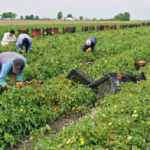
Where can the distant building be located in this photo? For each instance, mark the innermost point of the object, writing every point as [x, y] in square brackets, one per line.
[86, 19]
[71, 19]
[7, 18]
[46, 18]
[63, 18]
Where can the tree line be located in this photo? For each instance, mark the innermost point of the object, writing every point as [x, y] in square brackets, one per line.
[120, 17]
[9, 15]
[60, 15]
[30, 17]
[123, 17]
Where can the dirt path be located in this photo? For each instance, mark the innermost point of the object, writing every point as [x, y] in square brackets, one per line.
[57, 126]
[27, 22]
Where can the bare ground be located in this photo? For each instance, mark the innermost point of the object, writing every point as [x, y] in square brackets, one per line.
[57, 126]
[27, 22]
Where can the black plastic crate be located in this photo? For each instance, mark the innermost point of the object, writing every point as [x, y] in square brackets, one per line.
[107, 85]
[79, 76]
[128, 77]
[140, 77]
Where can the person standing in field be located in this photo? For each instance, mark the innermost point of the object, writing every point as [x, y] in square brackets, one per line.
[11, 65]
[90, 43]
[24, 40]
[8, 38]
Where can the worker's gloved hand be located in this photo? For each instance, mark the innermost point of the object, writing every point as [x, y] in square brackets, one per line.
[22, 51]
[12, 41]
[8, 87]
[87, 50]
[26, 82]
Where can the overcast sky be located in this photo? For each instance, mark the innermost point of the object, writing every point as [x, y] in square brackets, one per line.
[139, 9]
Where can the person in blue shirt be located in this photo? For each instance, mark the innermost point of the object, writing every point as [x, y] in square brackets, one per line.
[11, 65]
[24, 40]
[90, 43]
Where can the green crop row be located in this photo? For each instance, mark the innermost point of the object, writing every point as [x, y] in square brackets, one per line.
[24, 110]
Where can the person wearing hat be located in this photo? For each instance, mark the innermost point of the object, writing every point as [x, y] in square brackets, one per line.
[11, 65]
[24, 40]
[8, 38]
[90, 43]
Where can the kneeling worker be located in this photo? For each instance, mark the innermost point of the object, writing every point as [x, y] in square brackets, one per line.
[8, 38]
[90, 43]
[24, 40]
[11, 65]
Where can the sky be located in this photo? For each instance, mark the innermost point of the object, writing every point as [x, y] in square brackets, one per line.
[105, 9]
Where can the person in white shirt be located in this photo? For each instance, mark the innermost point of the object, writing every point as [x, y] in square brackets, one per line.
[8, 38]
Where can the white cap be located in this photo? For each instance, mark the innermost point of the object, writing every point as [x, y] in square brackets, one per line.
[88, 42]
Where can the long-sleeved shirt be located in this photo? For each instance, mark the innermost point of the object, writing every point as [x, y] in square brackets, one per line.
[7, 37]
[6, 63]
[93, 43]
[20, 43]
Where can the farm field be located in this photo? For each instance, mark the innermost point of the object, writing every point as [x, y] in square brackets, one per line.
[124, 118]
[27, 22]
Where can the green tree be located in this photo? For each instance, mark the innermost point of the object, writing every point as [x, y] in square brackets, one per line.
[37, 17]
[81, 17]
[31, 16]
[94, 19]
[59, 15]
[126, 16]
[123, 17]
[21, 17]
[5, 15]
[14, 15]
[69, 15]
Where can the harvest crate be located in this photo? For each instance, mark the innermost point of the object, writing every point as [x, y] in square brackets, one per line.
[140, 64]
[54, 31]
[121, 26]
[92, 28]
[143, 23]
[140, 77]
[36, 32]
[72, 29]
[85, 28]
[66, 29]
[114, 27]
[100, 28]
[87, 63]
[79, 76]
[139, 25]
[21, 31]
[128, 77]
[106, 85]
[106, 27]
[110, 26]
[45, 33]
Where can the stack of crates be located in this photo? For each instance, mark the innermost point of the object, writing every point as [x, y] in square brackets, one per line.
[143, 23]
[110, 83]
[92, 28]
[105, 27]
[121, 26]
[72, 29]
[36, 32]
[85, 28]
[66, 29]
[23, 31]
[100, 28]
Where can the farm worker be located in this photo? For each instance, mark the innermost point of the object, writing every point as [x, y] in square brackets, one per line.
[11, 65]
[24, 40]
[8, 38]
[90, 43]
